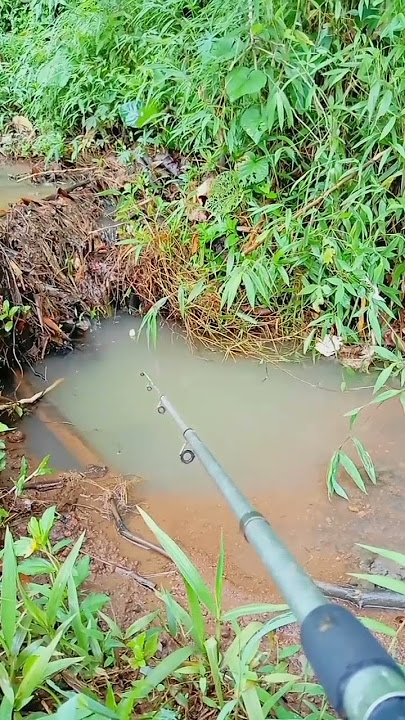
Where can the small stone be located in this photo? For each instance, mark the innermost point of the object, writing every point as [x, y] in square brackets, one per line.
[15, 436]
[353, 508]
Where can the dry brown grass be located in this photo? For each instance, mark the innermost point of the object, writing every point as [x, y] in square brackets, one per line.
[164, 266]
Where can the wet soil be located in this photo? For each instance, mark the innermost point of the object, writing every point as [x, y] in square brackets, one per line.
[82, 501]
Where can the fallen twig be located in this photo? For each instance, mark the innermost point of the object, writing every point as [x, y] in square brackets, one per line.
[55, 172]
[135, 539]
[148, 584]
[257, 241]
[382, 599]
[23, 402]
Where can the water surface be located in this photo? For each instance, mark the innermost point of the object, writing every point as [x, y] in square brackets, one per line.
[270, 425]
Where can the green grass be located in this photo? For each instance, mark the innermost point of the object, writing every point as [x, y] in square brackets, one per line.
[302, 101]
[60, 651]
[62, 655]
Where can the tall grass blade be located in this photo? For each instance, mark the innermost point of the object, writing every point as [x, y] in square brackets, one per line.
[185, 566]
[161, 672]
[211, 648]
[383, 581]
[396, 557]
[252, 703]
[9, 593]
[37, 670]
[60, 583]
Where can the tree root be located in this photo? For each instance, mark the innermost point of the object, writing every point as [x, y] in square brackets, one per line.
[379, 599]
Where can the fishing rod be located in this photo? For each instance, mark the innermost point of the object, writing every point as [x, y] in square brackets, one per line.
[362, 681]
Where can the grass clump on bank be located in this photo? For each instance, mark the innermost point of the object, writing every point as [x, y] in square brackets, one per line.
[297, 111]
[62, 654]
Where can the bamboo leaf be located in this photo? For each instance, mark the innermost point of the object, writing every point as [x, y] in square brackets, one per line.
[383, 377]
[384, 396]
[366, 460]
[353, 471]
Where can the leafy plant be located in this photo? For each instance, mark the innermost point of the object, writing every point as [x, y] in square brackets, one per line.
[9, 314]
[25, 475]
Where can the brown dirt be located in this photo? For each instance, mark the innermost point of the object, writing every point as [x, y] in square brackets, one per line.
[82, 502]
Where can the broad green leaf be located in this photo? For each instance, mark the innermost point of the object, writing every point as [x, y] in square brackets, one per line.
[130, 113]
[8, 605]
[254, 609]
[185, 566]
[47, 520]
[252, 122]
[36, 566]
[383, 581]
[254, 169]
[388, 127]
[244, 81]
[250, 289]
[366, 460]
[396, 557]
[60, 583]
[331, 477]
[353, 471]
[353, 414]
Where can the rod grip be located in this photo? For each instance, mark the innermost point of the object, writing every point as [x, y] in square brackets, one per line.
[337, 645]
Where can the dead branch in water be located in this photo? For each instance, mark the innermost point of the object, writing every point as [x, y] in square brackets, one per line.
[23, 402]
[128, 535]
[379, 599]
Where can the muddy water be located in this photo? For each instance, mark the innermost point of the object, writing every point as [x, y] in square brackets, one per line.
[273, 428]
[12, 191]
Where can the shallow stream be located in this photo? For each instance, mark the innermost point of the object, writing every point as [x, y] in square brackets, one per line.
[273, 427]
[11, 191]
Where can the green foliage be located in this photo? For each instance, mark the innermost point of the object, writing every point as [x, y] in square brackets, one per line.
[53, 627]
[341, 461]
[9, 314]
[301, 107]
